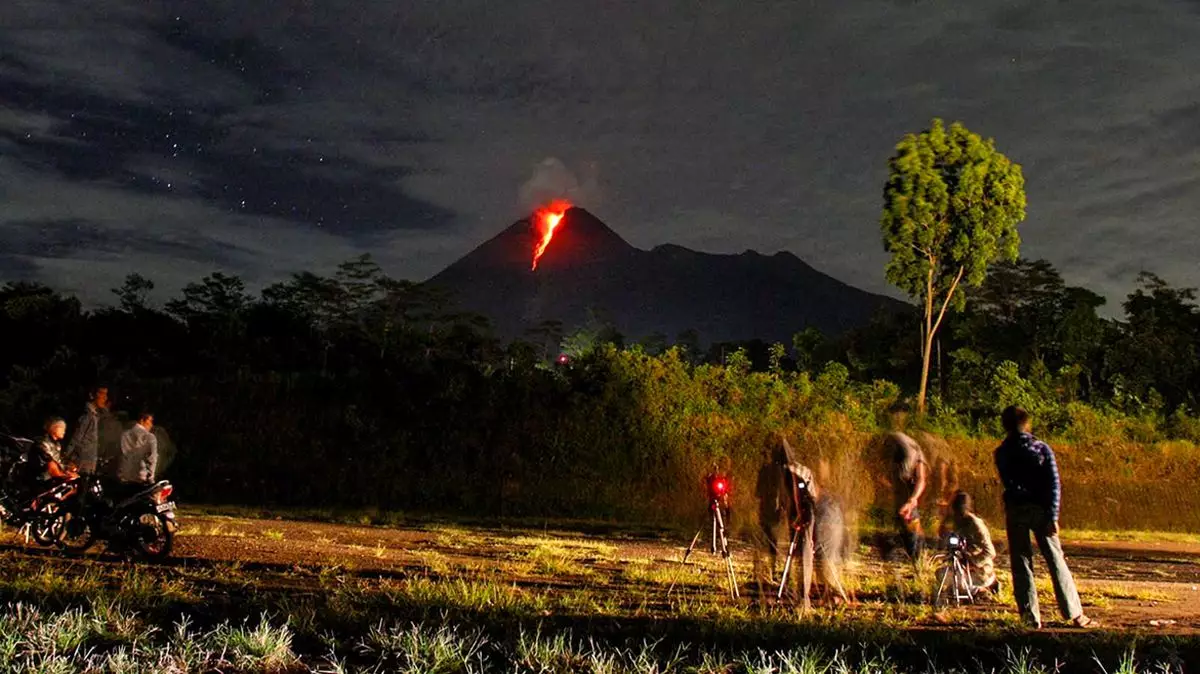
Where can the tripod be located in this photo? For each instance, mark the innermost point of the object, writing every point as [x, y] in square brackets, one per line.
[720, 542]
[958, 572]
[787, 563]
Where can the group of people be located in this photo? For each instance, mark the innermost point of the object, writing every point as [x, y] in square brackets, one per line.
[791, 499]
[134, 468]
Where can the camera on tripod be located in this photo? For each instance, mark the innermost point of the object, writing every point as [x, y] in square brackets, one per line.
[718, 488]
[954, 577]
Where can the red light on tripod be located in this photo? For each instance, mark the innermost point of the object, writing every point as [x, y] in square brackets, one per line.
[719, 486]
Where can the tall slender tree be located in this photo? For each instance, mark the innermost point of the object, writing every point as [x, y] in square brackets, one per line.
[951, 208]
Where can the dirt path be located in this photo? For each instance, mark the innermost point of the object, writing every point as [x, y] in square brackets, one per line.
[1127, 586]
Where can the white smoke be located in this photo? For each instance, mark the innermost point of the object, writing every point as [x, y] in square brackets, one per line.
[551, 179]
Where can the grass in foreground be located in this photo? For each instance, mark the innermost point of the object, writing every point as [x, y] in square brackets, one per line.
[519, 601]
[106, 638]
[93, 616]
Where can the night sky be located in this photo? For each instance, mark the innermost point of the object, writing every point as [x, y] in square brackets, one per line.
[263, 138]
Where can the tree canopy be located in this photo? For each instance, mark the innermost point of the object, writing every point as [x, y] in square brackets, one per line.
[952, 204]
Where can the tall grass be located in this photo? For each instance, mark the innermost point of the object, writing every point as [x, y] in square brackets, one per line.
[76, 640]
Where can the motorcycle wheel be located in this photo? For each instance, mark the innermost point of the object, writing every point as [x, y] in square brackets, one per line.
[152, 537]
[74, 532]
[45, 525]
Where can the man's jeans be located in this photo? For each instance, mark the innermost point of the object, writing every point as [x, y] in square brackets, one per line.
[1022, 520]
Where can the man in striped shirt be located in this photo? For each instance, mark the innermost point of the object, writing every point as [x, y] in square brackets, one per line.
[1032, 496]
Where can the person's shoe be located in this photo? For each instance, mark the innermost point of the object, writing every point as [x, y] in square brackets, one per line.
[1082, 620]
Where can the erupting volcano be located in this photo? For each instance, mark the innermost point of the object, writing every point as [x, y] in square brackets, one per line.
[546, 219]
[584, 274]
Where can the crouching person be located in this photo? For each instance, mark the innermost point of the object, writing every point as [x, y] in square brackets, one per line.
[977, 541]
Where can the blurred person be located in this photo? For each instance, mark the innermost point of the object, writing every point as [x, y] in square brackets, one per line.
[908, 476]
[785, 509]
[1032, 501]
[980, 551]
[832, 540]
[945, 483]
[139, 455]
[84, 447]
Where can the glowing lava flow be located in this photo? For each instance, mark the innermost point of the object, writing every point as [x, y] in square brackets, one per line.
[547, 219]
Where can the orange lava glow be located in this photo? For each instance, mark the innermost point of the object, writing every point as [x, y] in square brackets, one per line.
[546, 219]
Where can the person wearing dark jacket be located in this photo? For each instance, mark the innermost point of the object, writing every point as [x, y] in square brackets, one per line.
[45, 456]
[84, 448]
[1032, 500]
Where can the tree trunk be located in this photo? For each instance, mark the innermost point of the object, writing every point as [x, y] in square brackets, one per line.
[926, 352]
[931, 328]
[926, 343]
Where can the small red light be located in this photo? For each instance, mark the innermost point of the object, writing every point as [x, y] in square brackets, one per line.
[720, 486]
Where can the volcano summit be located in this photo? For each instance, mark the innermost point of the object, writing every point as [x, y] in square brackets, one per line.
[584, 269]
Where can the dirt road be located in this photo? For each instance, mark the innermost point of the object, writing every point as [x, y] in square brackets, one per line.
[1153, 586]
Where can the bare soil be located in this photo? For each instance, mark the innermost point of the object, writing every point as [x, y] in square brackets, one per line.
[1143, 587]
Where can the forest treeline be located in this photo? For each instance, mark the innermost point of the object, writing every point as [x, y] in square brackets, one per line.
[356, 389]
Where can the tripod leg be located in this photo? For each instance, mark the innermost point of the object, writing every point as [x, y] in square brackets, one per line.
[715, 516]
[787, 564]
[943, 572]
[691, 547]
[719, 538]
[733, 584]
[720, 524]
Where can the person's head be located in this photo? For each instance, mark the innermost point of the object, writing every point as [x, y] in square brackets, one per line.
[56, 428]
[898, 415]
[1015, 420]
[961, 505]
[146, 420]
[98, 396]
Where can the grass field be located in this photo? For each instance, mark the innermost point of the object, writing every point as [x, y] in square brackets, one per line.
[292, 594]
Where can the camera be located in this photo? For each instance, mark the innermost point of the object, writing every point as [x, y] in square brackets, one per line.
[955, 543]
[718, 486]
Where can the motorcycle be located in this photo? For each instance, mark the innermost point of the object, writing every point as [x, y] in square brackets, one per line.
[142, 523]
[22, 507]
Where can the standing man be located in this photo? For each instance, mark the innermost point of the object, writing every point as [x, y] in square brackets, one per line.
[139, 454]
[1032, 495]
[84, 448]
[909, 477]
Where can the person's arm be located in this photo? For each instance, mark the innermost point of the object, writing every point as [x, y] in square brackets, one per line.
[56, 470]
[1053, 485]
[152, 455]
[922, 476]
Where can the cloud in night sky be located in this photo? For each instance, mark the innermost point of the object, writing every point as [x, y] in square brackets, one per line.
[264, 138]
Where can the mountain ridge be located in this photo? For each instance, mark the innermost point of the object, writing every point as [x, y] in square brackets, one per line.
[589, 270]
